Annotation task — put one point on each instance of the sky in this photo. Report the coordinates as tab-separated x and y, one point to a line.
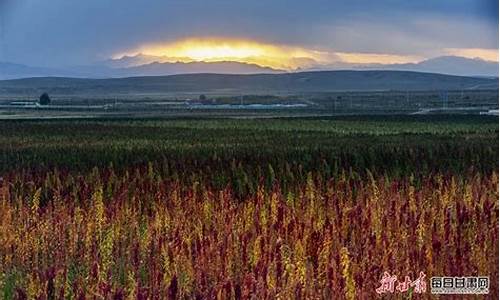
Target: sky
287	33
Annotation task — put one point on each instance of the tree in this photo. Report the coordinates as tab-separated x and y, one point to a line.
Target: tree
203	97
44	99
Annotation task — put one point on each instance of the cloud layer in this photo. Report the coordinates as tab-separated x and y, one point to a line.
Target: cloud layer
69	32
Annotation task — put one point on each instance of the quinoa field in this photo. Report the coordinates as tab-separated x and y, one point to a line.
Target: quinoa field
302	208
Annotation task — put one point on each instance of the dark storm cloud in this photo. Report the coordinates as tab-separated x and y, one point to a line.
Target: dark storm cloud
59	32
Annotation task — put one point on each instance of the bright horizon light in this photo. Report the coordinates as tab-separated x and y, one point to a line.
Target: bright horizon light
284	57
224	49
485	54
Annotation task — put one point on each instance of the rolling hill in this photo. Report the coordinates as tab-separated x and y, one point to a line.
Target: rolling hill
300	82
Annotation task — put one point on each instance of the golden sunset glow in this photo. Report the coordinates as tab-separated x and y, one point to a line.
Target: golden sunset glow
374	58
209	50
486	54
246	51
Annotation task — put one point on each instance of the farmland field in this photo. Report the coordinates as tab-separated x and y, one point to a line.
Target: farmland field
19	104
205	208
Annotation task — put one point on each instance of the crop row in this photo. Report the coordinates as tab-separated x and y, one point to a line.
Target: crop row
138	236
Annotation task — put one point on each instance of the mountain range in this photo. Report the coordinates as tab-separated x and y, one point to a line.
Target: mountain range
144	65
451	65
